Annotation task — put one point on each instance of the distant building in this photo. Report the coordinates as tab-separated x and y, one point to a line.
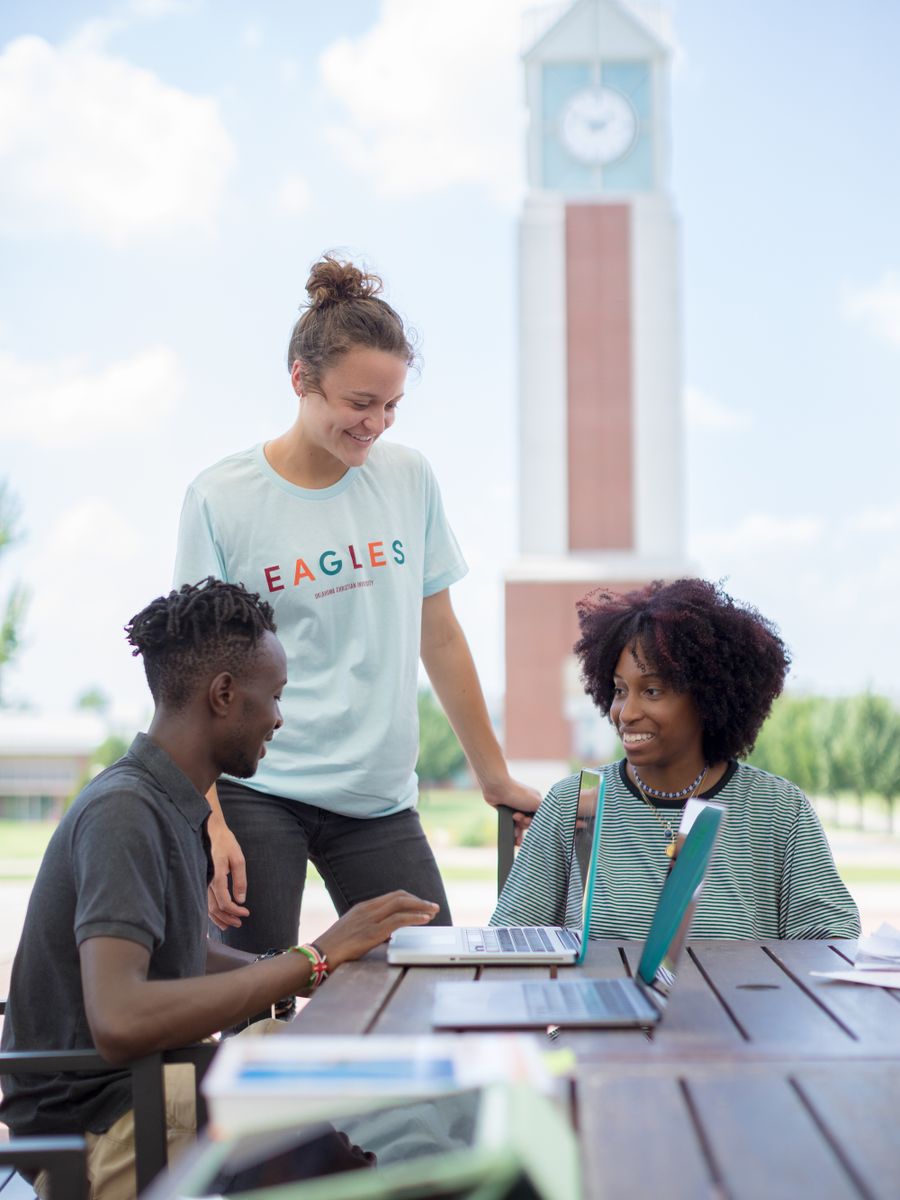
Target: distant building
601	471
43	761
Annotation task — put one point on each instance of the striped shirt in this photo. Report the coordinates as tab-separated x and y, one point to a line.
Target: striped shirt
772	873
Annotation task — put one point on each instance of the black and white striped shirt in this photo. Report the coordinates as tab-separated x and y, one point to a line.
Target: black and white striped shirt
772	874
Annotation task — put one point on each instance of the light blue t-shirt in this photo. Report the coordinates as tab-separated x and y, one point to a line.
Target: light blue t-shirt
346	569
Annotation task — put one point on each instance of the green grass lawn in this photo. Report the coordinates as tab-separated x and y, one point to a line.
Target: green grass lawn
24	839
457	818
853	874
450	818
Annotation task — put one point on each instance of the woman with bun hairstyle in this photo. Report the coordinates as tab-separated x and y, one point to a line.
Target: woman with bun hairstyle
686	676
344	534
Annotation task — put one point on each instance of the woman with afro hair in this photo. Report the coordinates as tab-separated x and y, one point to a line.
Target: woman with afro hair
686	676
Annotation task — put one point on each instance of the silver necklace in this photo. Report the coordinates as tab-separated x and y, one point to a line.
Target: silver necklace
671	838
658	794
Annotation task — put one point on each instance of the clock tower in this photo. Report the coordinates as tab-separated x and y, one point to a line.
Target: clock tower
600	446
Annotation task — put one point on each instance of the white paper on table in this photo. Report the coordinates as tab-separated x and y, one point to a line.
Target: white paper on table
878	977
880	949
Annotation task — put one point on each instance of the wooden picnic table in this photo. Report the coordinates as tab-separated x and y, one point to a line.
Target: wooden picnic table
761	1080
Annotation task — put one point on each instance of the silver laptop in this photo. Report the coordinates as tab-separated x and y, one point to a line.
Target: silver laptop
597	1003
512	944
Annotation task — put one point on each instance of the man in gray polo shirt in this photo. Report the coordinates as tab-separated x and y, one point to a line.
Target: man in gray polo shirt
114	951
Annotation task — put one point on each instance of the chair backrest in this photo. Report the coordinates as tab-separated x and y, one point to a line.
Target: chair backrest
147	1087
506	844
64	1158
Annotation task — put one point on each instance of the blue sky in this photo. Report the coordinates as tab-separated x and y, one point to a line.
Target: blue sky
172	167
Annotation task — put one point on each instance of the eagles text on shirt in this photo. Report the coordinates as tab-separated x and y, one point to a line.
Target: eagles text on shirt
331	562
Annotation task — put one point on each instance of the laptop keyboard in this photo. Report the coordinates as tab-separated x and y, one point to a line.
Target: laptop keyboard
511	939
603	998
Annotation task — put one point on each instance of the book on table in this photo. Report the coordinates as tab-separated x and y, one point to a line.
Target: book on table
264	1082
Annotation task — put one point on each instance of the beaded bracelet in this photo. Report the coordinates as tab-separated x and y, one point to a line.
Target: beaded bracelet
317	961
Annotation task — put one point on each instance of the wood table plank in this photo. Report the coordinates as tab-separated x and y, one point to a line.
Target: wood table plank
858	1106
638	1139
411	1002
694	1015
766	1002
872	1013
743	1130
515	974
604	960
351	998
763	1140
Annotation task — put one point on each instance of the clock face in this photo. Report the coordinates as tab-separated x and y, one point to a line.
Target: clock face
598	125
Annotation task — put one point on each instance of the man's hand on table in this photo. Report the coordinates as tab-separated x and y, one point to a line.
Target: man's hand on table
372	922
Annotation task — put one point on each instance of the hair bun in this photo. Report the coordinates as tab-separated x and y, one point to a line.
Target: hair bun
332	280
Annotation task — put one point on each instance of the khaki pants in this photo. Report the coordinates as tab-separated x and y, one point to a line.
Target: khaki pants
110	1155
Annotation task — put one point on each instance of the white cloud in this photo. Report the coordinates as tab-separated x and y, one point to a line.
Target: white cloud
876	520
92	527
92	551
758	534
153	9
289	71
433	97
877	307
96	32
90	541
252	36
293	196
64	403
92	143
706	412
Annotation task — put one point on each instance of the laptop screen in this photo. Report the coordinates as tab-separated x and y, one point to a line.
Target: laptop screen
677	901
583	862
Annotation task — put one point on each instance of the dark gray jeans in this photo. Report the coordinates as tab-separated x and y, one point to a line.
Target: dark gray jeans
357	859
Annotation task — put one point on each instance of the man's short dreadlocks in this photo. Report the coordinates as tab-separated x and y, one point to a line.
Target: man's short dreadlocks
197	632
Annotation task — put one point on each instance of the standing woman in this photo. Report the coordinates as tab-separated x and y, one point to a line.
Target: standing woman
345	536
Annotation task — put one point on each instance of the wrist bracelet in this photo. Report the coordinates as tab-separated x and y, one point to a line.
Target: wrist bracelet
269	954
317	961
283	1009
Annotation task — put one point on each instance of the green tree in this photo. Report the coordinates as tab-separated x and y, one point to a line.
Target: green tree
109	751
440	754
875	726
94	699
862	750
835	746
12	610
841	751
888	771
791	742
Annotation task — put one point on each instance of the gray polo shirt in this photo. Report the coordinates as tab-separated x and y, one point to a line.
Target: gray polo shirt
130	859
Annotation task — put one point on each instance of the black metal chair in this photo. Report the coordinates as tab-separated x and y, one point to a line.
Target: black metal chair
506	844
65	1158
148	1094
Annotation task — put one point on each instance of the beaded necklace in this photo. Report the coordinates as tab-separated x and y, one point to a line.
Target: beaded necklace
671	836
657	794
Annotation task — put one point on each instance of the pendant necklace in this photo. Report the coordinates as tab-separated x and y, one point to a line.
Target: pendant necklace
687	793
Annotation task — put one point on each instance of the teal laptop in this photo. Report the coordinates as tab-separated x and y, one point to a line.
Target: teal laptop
511	945
597	1003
